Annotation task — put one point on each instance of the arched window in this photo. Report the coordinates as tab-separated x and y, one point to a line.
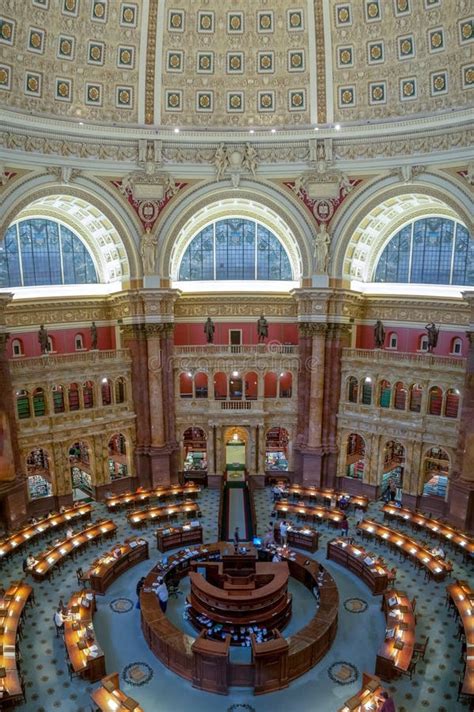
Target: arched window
23	404
423	342
73	397
416	393
79	342
39	475
270	383
435	400
17	348
50	345
393	464
220	386
120	390
436	470
367	391
434	250
355	456
400	399
392	341
352	389
39	402
200	385
251	385
39	251
276	450
235	248
456	347
451	408
106	391
88	394
118	465
195	450
186	385
285	384
385	394
235	385
58	399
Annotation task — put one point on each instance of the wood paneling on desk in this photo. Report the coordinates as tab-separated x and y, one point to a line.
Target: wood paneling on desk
172	537
112	564
11	609
367	698
462	596
84	652
301	537
43	526
46	561
396	652
141	517
436	567
309	512
360	562
438	529
110	698
357	501
129	499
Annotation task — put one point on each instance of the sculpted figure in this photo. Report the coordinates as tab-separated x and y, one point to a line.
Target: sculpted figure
433	333
147	251
322	242
262	328
379	334
221	161
209	330
250	159
43	339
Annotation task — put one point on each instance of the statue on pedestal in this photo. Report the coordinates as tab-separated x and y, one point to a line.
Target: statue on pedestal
43	339
147	251
433	333
262	329
379	334
209	330
322	242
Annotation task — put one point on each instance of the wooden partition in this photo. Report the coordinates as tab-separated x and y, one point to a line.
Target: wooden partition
12	605
85	655
108	696
112	564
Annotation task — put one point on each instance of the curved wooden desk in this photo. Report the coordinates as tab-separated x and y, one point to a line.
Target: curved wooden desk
367	697
442	531
462	596
11	609
436	568
46	561
396	651
112	564
361	563
175	649
141	517
306	511
109	696
85	655
357	501
129	499
43	526
301	537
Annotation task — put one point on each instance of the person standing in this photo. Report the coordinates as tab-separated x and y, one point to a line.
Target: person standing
392	490
386	703
236	540
284	532
345	526
138	590
162	593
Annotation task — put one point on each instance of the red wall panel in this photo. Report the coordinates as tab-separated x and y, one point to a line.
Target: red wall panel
193	333
409	339
63	340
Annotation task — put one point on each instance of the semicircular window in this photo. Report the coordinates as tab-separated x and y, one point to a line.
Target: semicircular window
428	251
235	248
39	252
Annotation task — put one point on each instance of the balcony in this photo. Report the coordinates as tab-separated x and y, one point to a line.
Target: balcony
231	349
257	407
407	360
79	360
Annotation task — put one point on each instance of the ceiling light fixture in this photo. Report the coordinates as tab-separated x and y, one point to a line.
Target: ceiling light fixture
273	130
176	130
316	128
337	127
252	131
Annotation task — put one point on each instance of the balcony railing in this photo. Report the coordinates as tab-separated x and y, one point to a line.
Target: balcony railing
217	349
425	360
81	358
236	405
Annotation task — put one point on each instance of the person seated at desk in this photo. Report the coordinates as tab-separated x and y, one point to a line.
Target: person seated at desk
117	552
439	552
277	493
29	562
343	502
162	593
268	538
276	557
62	509
69	532
59	618
386	703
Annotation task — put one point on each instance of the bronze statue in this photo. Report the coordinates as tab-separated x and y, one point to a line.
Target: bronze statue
209	330
43	339
433	333
262	328
379	335
93	336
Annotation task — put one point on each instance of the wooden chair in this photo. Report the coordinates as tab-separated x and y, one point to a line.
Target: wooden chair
70	669
419	649
409	672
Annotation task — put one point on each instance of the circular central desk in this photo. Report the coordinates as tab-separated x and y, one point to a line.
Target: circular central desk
206	663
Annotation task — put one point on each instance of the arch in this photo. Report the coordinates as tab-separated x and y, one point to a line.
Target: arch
57	392
274	208
251	385
393	466
201	385
436	472
39	402
194	450
17	348
88	394
120	390
451	406
385	394
51	348
456	347
235	385
220	385
106	391
416	394
392	342
91	209
79	342
73	396
118	456
365	224
400	396
366	390
355	456
352	389
81	465
423	342
38	474
270	385
435	400
23	407
277	449
285	385
186	385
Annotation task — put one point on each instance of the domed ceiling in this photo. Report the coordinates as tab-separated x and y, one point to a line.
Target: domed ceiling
235	64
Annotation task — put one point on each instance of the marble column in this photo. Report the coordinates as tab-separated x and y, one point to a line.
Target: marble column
316	389
155	385
211	471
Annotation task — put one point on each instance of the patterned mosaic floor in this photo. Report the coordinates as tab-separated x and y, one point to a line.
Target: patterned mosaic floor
323	689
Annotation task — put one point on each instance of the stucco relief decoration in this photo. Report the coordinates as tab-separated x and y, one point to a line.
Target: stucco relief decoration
322	208
148	194
5	176
234	162
468	174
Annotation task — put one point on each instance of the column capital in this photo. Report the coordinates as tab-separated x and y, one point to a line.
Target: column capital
336	331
